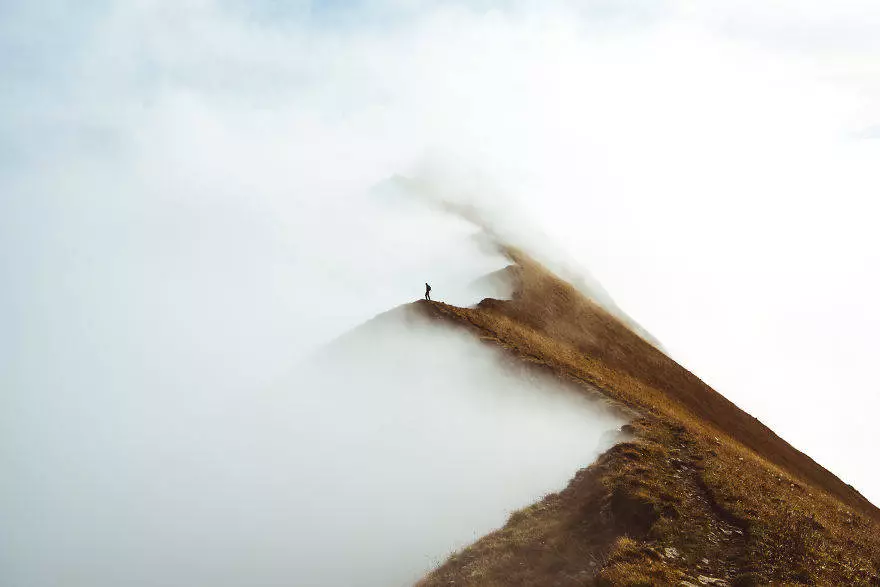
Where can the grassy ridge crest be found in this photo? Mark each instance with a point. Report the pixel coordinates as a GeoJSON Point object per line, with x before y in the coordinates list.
{"type": "Point", "coordinates": [704, 492]}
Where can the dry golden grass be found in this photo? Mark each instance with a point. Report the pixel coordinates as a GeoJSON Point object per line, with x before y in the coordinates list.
{"type": "Point", "coordinates": [705, 490]}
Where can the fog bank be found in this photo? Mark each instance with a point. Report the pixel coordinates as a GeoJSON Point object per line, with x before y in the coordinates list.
{"type": "Point", "coordinates": [366, 465]}
{"type": "Point", "coordinates": [195, 195]}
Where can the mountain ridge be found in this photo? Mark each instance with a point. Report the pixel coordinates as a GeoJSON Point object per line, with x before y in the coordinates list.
{"type": "Point", "coordinates": [702, 477]}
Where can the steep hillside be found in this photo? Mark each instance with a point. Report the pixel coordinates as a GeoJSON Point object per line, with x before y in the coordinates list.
{"type": "Point", "coordinates": [704, 494]}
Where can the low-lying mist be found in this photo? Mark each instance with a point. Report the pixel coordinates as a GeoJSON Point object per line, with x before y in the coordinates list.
{"type": "Point", "coordinates": [367, 464]}
{"type": "Point", "coordinates": [194, 196]}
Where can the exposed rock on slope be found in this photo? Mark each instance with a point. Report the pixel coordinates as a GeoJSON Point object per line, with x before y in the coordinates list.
{"type": "Point", "coordinates": [705, 494]}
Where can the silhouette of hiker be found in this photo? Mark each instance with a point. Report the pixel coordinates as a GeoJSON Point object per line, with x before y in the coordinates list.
{"type": "Point", "coordinates": [427, 292]}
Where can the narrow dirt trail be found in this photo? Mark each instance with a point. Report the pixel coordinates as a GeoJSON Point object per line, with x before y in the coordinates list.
{"type": "Point", "coordinates": [724, 537]}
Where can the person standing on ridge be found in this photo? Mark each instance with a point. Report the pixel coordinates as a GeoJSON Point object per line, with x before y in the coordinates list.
{"type": "Point", "coordinates": [427, 291]}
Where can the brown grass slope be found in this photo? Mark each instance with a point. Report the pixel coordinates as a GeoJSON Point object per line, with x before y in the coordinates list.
{"type": "Point", "coordinates": [705, 494]}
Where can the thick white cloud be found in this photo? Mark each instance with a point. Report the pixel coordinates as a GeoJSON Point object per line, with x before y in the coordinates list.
{"type": "Point", "coordinates": [192, 194]}
{"type": "Point", "coordinates": [365, 465]}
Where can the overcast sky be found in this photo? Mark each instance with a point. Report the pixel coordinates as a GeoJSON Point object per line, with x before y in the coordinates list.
{"type": "Point", "coordinates": [193, 194]}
